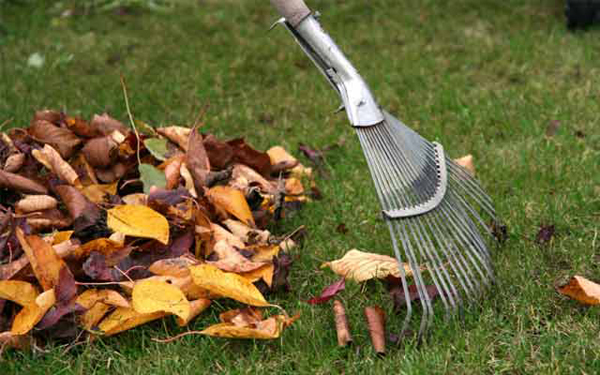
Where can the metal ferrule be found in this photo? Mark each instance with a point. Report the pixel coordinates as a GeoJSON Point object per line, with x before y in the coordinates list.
{"type": "Point", "coordinates": [360, 105]}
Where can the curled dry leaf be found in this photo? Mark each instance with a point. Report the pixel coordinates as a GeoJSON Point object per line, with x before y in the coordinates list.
{"type": "Point", "coordinates": [172, 171]}
{"type": "Point", "coordinates": [14, 162]}
{"type": "Point", "coordinates": [135, 199]}
{"type": "Point", "coordinates": [176, 134]}
{"type": "Point", "coordinates": [100, 152]}
{"type": "Point", "coordinates": [247, 234]}
{"type": "Point", "coordinates": [151, 295]}
{"type": "Point", "coordinates": [138, 221]}
{"type": "Point", "coordinates": [231, 201]}
{"type": "Point", "coordinates": [19, 292]}
{"type": "Point", "coordinates": [241, 171]}
{"type": "Point", "coordinates": [35, 203]}
{"type": "Point", "coordinates": [246, 324]}
{"type": "Point", "coordinates": [227, 284]}
{"type": "Point", "coordinates": [196, 308]}
{"type": "Point", "coordinates": [376, 322]}
{"type": "Point", "coordinates": [97, 193]}
{"type": "Point", "coordinates": [189, 180]}
{"type": "Point", "coordinates": [21, 184]}
{"type": "Point", "coordinates": [196, 159]}
{"type": "Point", "coordinates": [220, 154]}
{"type": "Point", "coordinates": [293, 186]}
{"type": "Point", "coordinates": [265, 273]}
{"type": "Point", "coordinates": [106, 125]}
{"type": "Point", "coordinates": [221, 234]}
{"type": "Point", "coordinates": [244, 154]}
{"type": "Point", "coordinates": [45, 262]}
{"type": "Point", "coordinates": [342, 328]}
{"type": "Point", "coordinates": [279, 155]}
{"type": "Point", "coordinates": [581, 289]}
{"type": "Point", "coordinates": [467, 163]}
{"type": "Point", "coordinates": [361, 266]}
{"type": "Point", "coordinates": [231, 260]}
{"type": "Point", "coordinates": [61, 139]}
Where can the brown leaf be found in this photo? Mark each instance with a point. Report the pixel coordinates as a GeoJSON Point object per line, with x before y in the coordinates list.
{"type": "Point", "coordinates": [61, 139]}
{"type": "Point", "coordinates": [176, 134]}
{"type": "Point", "coordinates": [53, 218]}
{"type": "Point", "coordinates": [49, 115]}
{"type": "Point", "coordinates": [178, 267]}
{"type": "Point", "coordinates": [14, 162]}
{"type": "Point", "coordinates": [220, 154]}
{"type": "Point", "coordinates": [244, 154]}
{"type": "Point", "coordinates": [376, 323]}
{"type": "Point", "coordinates": [342, 328]}
{"type": "Point", "coordinates": [545, 234]}
{"type": "Point", "coordinates": [35, 203]}
{"type": "Point", "coordinates": [231, 260]}
{"type": "Point", "coordinates": [83, 212]}
{"type": "Point", "coordinates": [21, 184]}
{"type": "Point", "coordinates": [196, 308]}
{"type": "Point", "coordinates": [241, 171]}
{"type": "Point", "coordinates": [400, 297]}
{"type": "Point", "coordinates": [581, 289]}
{"type": "Point", "coordinates": [100, 152]}
{"type": "Point", "coordinates": [80, 127]}
{"type": "Point", "coordinates": [244, 324]}
{"type": "Point", "coordinates": [106, 125]}
{"type": "Point", "coordinates": [196, 159]}
{"type": "Point", "coordinates": [247, 234]}
{"type": "Point", "coordinates": [52, 160]}
{"type": "Point", "coordinates": [172, 171]}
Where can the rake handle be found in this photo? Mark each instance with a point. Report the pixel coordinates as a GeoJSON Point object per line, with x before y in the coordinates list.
{"type": "Point", "coordinates": [294, 11]}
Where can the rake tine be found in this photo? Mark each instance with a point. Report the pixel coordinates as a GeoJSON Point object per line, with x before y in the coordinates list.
{"type": "Point", "coordinates": [403, 277]}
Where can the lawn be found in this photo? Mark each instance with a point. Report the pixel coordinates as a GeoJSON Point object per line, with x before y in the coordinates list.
{"type": "Point", "coordinates": [482, 77]}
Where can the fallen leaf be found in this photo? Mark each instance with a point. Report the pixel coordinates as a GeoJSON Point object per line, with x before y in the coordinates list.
{"type": "Point", "coordinates": [342, 328]}
{"type": "Point", "coordinates": [329, 292]}
{"type": "Point", "coordinates": [227, 284]}
{"type": "Point", "coordinates": [97, 193]}
{"type": "Point", "coordinates": [231, 201]}
{"type": "Point", "coordinates": [279, 155]}
{"type": "Point", "coordinates": [582, 290]}
{"type": "Point", "coordinates": [244, 154]}
{"type": "Point", "coordinates": [545, 234]}
{"type": "Point", "coordinates": [467, 163]}
{"type": "Point", "coordinates": [241, 171]}
{"type": "Point", "coordinates": [267, 329]}
{"type": "Point", "coordinates": [231, 260]}
{"type": "Point", "coordinates": [150, 296]}
{"type": "Point", "coordinates": [109, 297]}
{"type": "Point", "coordinates": [124, 318]}
{"type": "Point", "coordinates": [52, 160]}
{"type": "Point", "coordinates": [247, 234]}
{"type": "Point", "coordinates": [45, 262]}
{"type": "Point", "coordinates": [107, 125]}
{"type": "Point", "coordinates": [157, 147]}
{"type": "Point", "coordinates": [196, 160]}
{"type": "Point", "coordinates": [17, 291]}
{"type": "Point", "coordinates": [101, 152]}
{"type": "Point", "coordinates": [221, 234]}
{"type": "Point", "coordinates": [264, 273]}
{"type": "Point", "coordinates": [178, 267]}
{"type": "Point", "coordinates": [220, 154]}
{"type": "Point", "coordinates": [196, 308]}
{"type": "Point", "coordinates": [176, 134]}
{"type": "Point", "coordinates": [172, 171]}
{"type": "Point", "coordinates": [151, 176]}
{"type": "Point", "coordinates": [138, 221]}
{"type": "Point", "coordinates": [399, 296]}
{"type": "Point", "coordinates": [21, 184]}
{"type": "Point", "coordinates": [32, 313]}
{"type": "Point", "coordinates": [33, 203]}
{"type": "Point", "coordinates": [376, 322]}
{"type": "Point", "coordinates": [14, 162]}
{"type": "Point", "coordinates": [61, 139]}
{"type": "Point", "coordinates": [361, 266]}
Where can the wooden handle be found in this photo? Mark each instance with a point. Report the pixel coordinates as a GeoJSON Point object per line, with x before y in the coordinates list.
{"type": "Point", "coordinates": [294, 11]}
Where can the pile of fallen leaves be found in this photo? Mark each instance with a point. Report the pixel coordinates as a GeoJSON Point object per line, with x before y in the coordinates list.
{"type": "Point", "coordinates": [105, 227]}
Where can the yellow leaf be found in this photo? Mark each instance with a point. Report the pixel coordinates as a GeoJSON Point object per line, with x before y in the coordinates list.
{"type": "Point", "coordinates": [196, 308]}
{"type": "Point", "coordinates": [582, 290]}
{"type": "Point", "coordinates": [186, 284]}
{"type": "Point", "coordinates": [247, 327]}
{"type": "Point", "coordinates": [62, 236]}
{"type": "Point", "coordinates": [32, 313]}
{"type": "Point", "coordinates": [360, 266]}
{"type": "Point", "coordinates": [104, 246]}
{"type": "Point", "coordinates": [18, 291]}
{"type": "Point", "coordinates": [265, 272]}
{"type": "Point", "coordinates": [93, 315]}
{"type": "Point", "coordinates": [124, 318]}
{"type": "Point", "coordinates": [227, 284]}
{"type": "Point", "coordinates": [293, 186]}
{"type": "Point", "coordinates": [97, 192]}
{"type": "Point", "coordinates": [264, 253]}
{"type": "Point", "coordinates": [232, 201]}
{"type": "Point", "coordinates": [150, 296]}
{"type": "Point", "coordinates": [467, 163]}
{"type": "Point", "coordinates": [138, 221]}
{"type": "Point", "coordinates": [110, 297]}
{"type": "Point", "coordinates": [46, 264]}
{"type": "Point", "coordinates": [279, 155]}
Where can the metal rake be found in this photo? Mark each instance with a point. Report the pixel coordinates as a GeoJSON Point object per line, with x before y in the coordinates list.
{"type": "Point", "coordinates": [431, 205]}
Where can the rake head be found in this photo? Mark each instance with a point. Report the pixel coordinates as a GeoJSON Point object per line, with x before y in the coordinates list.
{"type": "Point", "coordinates": [431, 206]}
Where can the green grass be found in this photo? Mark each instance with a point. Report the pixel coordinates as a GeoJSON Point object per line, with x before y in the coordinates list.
{"type": "Point", "coordinates": [482, 77]}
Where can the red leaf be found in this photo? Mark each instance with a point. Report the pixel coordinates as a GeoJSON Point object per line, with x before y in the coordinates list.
{"type": "Point", "coordinates": [329, 292]}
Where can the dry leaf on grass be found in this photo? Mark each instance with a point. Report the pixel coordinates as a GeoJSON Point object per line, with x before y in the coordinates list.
{"type": "Point", "coordinates": [247, 324]}
{"type": "Point", "coordinates": [124, 318]}
{"type": "Point", "coordinates": [361, 266]}
{"type": "Point", "coordinates": [150, 296]}
{"type": "Point", "coordinates": [467, 163]}
{"type": "Point", "coordinates": [581, 289]}
{"type": "Point", "coordinates": [227, 284]}
{"type": "Point", "coordinates": [138, 221]}
{"type": "Point", "coordinates": [232, 201]}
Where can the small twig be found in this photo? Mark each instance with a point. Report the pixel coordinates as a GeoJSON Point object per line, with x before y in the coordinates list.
{"type": "Point", "coordinates": [124, 273]}
{"type": "Point", "coordinates": [137, 135]}
{"type": "Point", "coordinates": [6, 122]}
{"type": "Point", "coordinates": [177, 337]}
{"type": "Point", "coordinates": [99, 283]}
{"type": "Point", "coordinates": [203, 111]}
